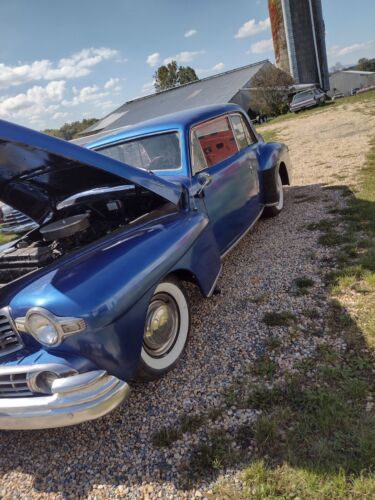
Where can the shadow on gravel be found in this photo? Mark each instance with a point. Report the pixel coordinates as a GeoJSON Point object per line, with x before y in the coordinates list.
{"type": "Point", "coordinates": [319, 420]}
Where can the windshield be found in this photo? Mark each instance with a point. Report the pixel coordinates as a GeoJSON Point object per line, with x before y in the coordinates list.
{"type": "Point", "coordinates": [302, 96]}
{"type": "Point", "coordinates": [155, 152]}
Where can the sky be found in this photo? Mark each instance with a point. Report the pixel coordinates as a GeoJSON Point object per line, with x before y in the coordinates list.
{"type": "Point", "coordinates": [62, 61]}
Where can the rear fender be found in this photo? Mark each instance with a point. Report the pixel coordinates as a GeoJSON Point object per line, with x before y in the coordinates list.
{"type": "Point", "coordinates": [273, 159]}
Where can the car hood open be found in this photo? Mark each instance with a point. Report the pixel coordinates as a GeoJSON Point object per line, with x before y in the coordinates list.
{"type": "Point", "coordinates": [38, 171]}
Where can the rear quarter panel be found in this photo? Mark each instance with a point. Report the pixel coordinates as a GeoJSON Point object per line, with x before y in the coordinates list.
{"type": "Point", "coordinates": [270, 156]}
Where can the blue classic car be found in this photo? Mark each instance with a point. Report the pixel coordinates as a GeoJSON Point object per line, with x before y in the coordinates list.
{"type": "Point", "coordinates": [93, 298]}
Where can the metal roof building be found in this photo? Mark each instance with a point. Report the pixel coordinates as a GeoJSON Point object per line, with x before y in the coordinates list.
{"type": "Point", "coordinates": [230, 86]}
{"type": "Point", "coordinates": [345, 81]}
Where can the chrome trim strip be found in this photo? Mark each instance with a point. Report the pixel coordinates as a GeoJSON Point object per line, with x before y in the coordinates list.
{"type": "Point", "coordinates": [242, 235]}
{"type": "Point", "coordinates": [75, 399]}
{"type": "Point", "coordinates": [5, 311]}
{"type": "Point", "coordinates": [71, 200]}
{"type": "Point", "coordinates": [16, 369]}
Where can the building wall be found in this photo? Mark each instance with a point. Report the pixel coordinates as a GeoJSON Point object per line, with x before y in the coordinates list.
{"type": "Point", "coordinates": [344, 82]}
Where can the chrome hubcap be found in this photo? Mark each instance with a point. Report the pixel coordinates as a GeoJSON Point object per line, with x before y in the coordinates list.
{"type": "Point", "coordinates": [162, 324]}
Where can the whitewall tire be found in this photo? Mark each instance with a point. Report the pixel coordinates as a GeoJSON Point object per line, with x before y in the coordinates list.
{"type": "Point", "coordinates": [166, 329]}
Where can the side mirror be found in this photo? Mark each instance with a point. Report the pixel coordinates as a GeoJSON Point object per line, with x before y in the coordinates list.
{"type": "Point", "coordinates": [204, 179]}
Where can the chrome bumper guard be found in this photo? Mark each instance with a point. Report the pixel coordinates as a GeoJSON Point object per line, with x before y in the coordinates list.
{"type": "Point", "coordinates": [74, 399]}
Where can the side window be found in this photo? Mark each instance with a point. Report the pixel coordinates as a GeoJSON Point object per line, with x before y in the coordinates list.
{"type": "Point", "coordinates": [242, 131]}
{"type": "Point", "coordinates": [198, 159]}
{"type": "Point", "coordinates": [216, 140]}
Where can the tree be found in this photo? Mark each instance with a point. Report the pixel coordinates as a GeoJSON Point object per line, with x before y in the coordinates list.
{"type": "Point", "coordinates": [171, 75]}
{"type": "Point", "coordinates": [71, 130]}
{"type": "Point", "coordinates": [365, 64]}
{"type": "Point", "coordinates": [270, 89]}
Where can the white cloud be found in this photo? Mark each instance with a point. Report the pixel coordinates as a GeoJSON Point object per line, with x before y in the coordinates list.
{"type": "Point", "coordinates": [218, 67]}
{"type": "Point", "coordinates": [184, 57]}
{"type": "Point", "coordinates": [86, 94]}
{"type": "Point", "coordinates": [113, 84]}
{"type": "Point", "coordinates": [262, 46]}
{"type": "Point", "coordinates": [148, 87]}
{"type": "Point", "coordinates": [251, 28]}
{"type": "Point", "coordinates": [60, 115]}
{"type": "Point", "coordinates": [75, 66]}
{"type": "Point", "coordinates": [153, 59]}
{"type": "Point", "coordinates": [33, 103]}
{"type": "Point", "coordinates": [215, 69]}
{"type": "Point", "coordinates": [190, 33]}
{"type": "Point", "coordinates": [338, 50]}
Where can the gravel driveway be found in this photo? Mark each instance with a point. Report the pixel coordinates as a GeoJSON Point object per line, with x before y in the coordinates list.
{"type": "Point", "coordinates": [115, 457]}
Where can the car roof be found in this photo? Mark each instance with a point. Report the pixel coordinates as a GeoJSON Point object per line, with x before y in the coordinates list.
{"type": "Point", "coordinates": [173, 121]}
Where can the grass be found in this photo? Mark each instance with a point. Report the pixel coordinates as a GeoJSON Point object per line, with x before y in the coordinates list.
{"type": "Point", "coordinates": [5, 238]}
{"type": "Point", "coordinates": [165, 437]}
{"type": "Point", "coordinates": [303, 284]}
{"type": "Point", "coordinates": [213, 455]}
{"type": "Point", "coordinates": [265, 367]}
{"type": "Point", "coordinates": [283, 318]}
{"type": "Point", "coordinates": [358, 99]}
{"type": "Point", "coordinates": [270, 135]}
{"type": "Point", "coordinates": [315, 437]}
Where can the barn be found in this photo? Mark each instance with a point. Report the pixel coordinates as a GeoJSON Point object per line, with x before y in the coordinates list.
{"type": "Point", "coordinates": [346, 81]}
{"type": "Point", "coordinates": [231, 86]}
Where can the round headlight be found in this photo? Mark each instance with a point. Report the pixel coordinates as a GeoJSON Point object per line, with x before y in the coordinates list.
{"type": "Point", "coordinates": [43, 329]}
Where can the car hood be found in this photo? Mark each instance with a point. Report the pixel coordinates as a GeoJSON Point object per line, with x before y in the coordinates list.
{"type": "Point", "coordinates": [38, 171]}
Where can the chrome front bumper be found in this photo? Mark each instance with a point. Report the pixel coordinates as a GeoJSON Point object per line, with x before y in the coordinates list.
{"type": "Point", "coordinates": [74, 399]}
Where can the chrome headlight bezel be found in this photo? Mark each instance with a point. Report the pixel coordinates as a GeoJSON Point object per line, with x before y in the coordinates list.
{"type": "Point", "coordinates": [64, 326]}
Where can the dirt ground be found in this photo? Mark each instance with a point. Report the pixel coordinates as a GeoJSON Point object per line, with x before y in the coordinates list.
{"type": "Point", "coordinates": [329, 146]}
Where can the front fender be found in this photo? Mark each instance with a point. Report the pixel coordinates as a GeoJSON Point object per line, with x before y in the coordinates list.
{"type": "Point", "coordinates": [110, 288]}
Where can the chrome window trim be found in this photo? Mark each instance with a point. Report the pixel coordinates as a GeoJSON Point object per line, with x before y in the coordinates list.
{"type": "Point", "coordinates": [215, 118]}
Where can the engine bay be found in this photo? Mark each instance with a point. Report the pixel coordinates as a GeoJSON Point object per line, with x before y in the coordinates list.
{"type": "Point", "coordinates": [80, 221]}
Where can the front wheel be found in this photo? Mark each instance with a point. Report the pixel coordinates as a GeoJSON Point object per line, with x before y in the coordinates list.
{"type": "Point", "coordinates": [166, 330]}
{"type": "Point", "coordinates": [276, 209]}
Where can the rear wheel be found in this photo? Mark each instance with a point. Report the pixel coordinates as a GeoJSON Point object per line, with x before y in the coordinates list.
{"type": "Point", "coordinates": [166, 330]}
{"type": "Point", "coordinates": [276, 209]}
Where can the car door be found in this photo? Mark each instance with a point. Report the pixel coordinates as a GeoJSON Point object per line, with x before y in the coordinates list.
{"type": "Point", "coordinates": [225, 164]}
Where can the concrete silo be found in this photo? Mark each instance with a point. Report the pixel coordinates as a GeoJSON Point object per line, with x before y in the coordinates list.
{"type": "Point", "coordinates": [298, 34]}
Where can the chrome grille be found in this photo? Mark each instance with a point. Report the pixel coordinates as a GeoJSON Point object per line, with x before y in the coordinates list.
{"type": "Point", "coordinates": [14, 386]}
{"type": "Point", "coordinates": [9, 338]}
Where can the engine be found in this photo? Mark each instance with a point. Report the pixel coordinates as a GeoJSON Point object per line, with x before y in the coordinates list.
{"type": "Point", "coordinates": [71, 229]}
{"type": "Point", "coordinates": [56, 239]}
